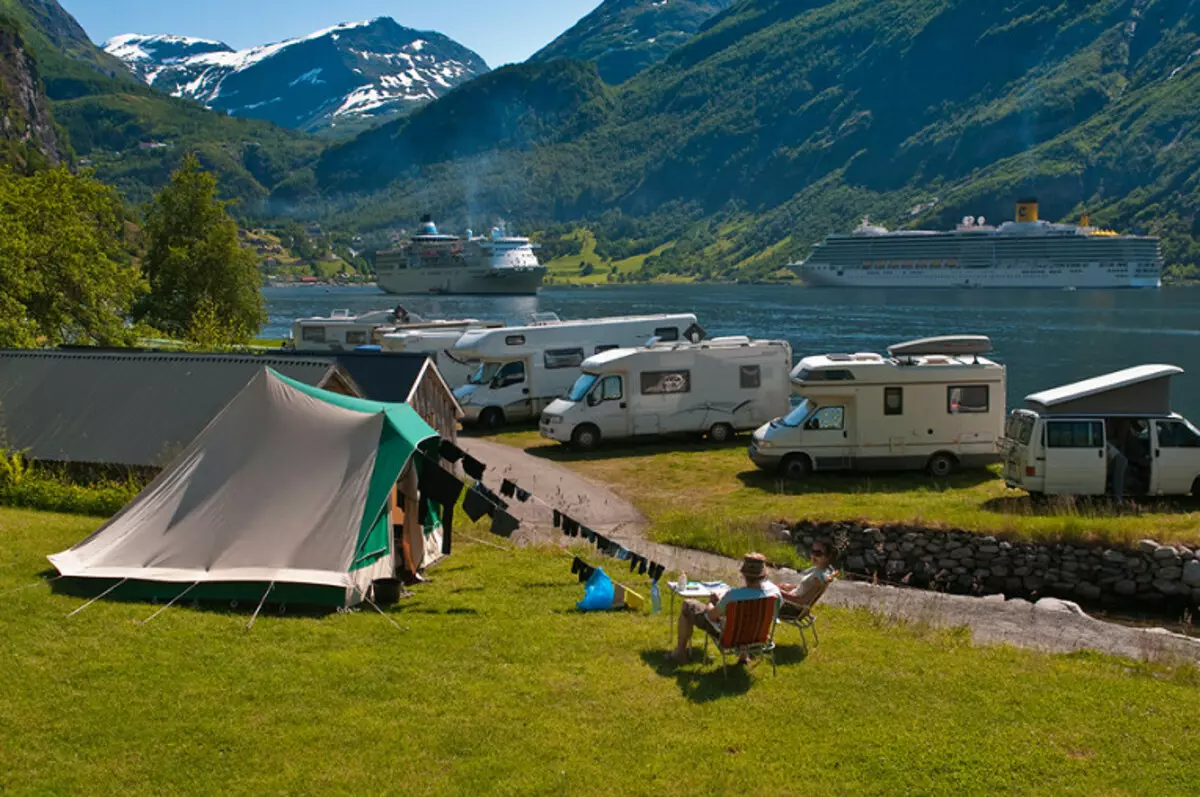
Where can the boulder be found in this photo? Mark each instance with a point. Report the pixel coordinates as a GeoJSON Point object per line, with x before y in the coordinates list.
{"type": "Point", "coordinates": [1165, 552]}
{"type": "Point", "coordinates": [1125, 588]}
{"type": "Point", "coordinates": [1114, 557]}
{"type": "Point", "coordinates": [1147, 546]}
{"type": "Point", "coordinates": [1191, 573]}
{"type": "Point", "coordinates": [1167, 587]}
{"type": "Point", "coordinates": [1171, 573]}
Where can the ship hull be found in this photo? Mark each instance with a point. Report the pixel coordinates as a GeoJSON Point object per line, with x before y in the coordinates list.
{"type": "Point", "coordinates": [464, 281]}
{"type": "Point", "coordinates": [1049, 276]}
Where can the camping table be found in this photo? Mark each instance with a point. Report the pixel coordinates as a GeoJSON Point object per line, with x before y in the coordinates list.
{"type": "Point", "coordinates": [693, 589]}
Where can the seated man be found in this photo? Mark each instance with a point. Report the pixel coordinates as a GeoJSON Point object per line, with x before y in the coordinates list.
{"type": "Point", "coordinates": [798, 598]}
{"type": "Point", "coordinates": [710, 617]}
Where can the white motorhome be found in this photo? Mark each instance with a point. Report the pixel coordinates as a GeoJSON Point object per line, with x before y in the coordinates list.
{"type": "Point", "coordinates": [934, 404]}
{"type": "Point", "coordinates": [718, 387]}
{"type": "Point", "coordinates": [340, 331]}
{"type": "Point", "coordinates": [1058, 443]}
{"type": "Point", "coordinates": [523, 369]}
{"type": "Point", "coordinates": [438, 345]}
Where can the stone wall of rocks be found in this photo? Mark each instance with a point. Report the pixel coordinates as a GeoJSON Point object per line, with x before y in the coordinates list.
{"type": "Point", "coordinates": [967, 563]}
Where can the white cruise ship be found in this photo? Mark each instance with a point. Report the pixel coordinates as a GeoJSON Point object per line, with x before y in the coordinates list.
{"type": "Point", "coordinates": [1026, 253]}
{"type": "Point", "coordinates": [447, 264]}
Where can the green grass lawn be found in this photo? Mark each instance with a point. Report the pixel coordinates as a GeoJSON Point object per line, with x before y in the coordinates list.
{"type": "Point", "coordinates": [498, 686]}
{"type": "Point", "coordinates": [714, 498]}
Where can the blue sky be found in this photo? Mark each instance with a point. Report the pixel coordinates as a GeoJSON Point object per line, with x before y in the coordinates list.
{"type": "Point", "coordinates": [502, 32]}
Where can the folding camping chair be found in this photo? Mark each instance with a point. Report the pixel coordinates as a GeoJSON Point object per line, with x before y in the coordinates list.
{"type": "Point", "coordinates": [800, 615]}
{"type": "Point", "coordinates": [749, 629]}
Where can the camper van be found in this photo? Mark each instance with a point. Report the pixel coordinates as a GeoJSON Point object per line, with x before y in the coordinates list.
{"type": "Point", "coordinates": [1063, 440]}
{"type": "Point", "coordinates": [934, 404]}
{"type": "Point", "coordinates": [718, 388]}
{"type": "Point", "coordinates": [340, 331]}
{"type": "Point", "coordinates": [523, 369]}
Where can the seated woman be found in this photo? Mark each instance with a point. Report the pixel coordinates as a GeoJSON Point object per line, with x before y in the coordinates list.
{"type": "Point", "coordinates": [799, 597]}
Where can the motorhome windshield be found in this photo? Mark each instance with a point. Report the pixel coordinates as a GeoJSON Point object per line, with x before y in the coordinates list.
{"type": "Point", "coordinates": [485, 373]}
{"type": "Point", "coordinates": [798, 415]}
{"type": "Point", "coordinates": [581, 387]}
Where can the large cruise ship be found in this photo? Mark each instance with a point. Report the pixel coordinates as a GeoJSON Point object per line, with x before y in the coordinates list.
{"type": "Point", "coordinates": [435, 263]}
{"type": "Point", "coordinates": [1026, 253]}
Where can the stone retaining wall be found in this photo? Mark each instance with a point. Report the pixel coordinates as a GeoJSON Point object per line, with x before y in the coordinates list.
{"type": "Point", "coordinates": [966, 563]}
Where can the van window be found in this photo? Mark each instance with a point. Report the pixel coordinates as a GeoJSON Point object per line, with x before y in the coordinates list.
{"type": "Point", "coordinates": [610, 389]}
{"type": "Point", "coordinates": [893, 401]}
{"type": "Point", "coordinates": [1019, 428]}
{"type": "Point", "coordinates": [750, 376]}
{"type": "Point", "coordinates": [667, 334]}
{"type": "Point", "coordinates": [1177, 434]}
{"type": "Point", "coordinates": [313, 334]}
{"type": "Point", "coordinates": [1074, 434]}
{"type": "Point", "coordinates": [826, 375]}
{"type": "Point", "coordinates": [606, 347]}
{"type": "Point", "coordinates": [356, 338]}
{"type": "Point", "coordinates": [514, 340]}
{"type": "Point", "coordinates": [563, 358]}
{"type": "Point", "coordinates": [962, 399]}
{"type": "Point", "coordinates": [827, 419]}
{"type": "Point", "coordinates": [510, 374]}
{"type": "Point", "coordinates": [659, 382]}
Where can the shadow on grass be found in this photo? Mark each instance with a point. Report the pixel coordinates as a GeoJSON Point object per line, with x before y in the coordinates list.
{"type": "Point", "coordinates": [649, 447]}
{"type": "Point", "coordinates": [1089, 507]}
{"type": "Point", "coordinates": [703, 681]}
{"type": "Point", "coordinates": [853, 482]}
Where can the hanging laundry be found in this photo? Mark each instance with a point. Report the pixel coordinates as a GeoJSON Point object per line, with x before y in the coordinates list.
{"type": "Point", "coordinates": [558, 520]}
{"type": "Point", "coordinates": [473, 467]}
{"type": "Point", "coordinates": [634, 560]}
{"type": "Point", "coordinates": [582, 569]}
{"type": "Point", "coordinates": [478, 503]}
{"type": "Point", "coordinates": [656, 571]}
{"type": "Point", "coordinates": [623, 553]}
{"type": "Point", "coordinates": [523, 495]}
{"type": "Point", "coordinates": [508, 489]}
{"type": "Point", "coordinates": [503, 524]}
{"type": "Point", "coordinates": [450, 452]}
{"type": "Point", "coordinates": [570, 526]}
{"type": "Point", "coordinates": [642, 566]}
{"type": "Point", "coordinates": [588, 534]}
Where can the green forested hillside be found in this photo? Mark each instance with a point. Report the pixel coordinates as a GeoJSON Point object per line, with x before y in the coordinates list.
{"type": "Point", "coordinates": [784, 120]}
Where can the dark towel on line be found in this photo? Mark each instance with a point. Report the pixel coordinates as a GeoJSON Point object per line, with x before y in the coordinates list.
{"type": "Point", "coordinates": [642, 567]}
{"type": "Point", "coordinates": [503, 524]}
{"type": "Point", "coordinates": [508, 489]}
{"type": "Point", "coordinates": [475, 505]}
{"type": "Point", "coordinates": [656, 571]}
{"type": "Point", "coordinates": [473, 467]}
{"type": "Point", "coordinates": [570, 526]}
{"type": "Point", "coordinates": [558, 520]}
{"type": "Point", "coordinates": [523, 495]}
{"type": "Point", "coordinates": [451, 453]}
{"type": "Point", "coordinates": [585, 572]}
{"type": "Point", "coordinates": [633, 562]}
{"type": "Point", "coordinates": [575, 565]}
{"type": "Point", "coordinates": [588, 534]}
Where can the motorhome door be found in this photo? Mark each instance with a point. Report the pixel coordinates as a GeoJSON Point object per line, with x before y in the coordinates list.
{"type": "Point", "coordinates": [1075, 459]}
{"type": "Point", "coordinates": [827, 437]}
{"type": "Point", "coordinates": [608, 407]}
{"type": "Point", "coordinates": [1175, 457]}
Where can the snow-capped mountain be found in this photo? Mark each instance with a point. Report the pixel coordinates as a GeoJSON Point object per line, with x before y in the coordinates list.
{"type": "Point", "coordinates": [338, 75]}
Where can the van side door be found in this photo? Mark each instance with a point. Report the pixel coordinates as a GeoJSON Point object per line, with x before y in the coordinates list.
{"type": "Point", "coordinates": [1075, 459]}
{"type": "Point", "coordinates": [1174, 457]}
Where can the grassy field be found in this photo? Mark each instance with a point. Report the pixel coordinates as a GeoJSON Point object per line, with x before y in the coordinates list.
{"type": "Point", "coordinates": [714, 498]}
{"type": "Point", "coordinates": [497, 686]}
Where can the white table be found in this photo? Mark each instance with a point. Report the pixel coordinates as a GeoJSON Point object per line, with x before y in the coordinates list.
{"type": "Point", "coordinates": [694, 589]}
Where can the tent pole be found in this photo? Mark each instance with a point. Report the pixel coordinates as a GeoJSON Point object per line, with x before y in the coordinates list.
{"type": "Point", "coordinates": [254, 616]}
{"type": "Point", "coordinates": [31, 586]}
{"type": "Point", "coordinates": [169, 605]}
{"type": "Point", "coordinates": [381, 612]}
{"type": "Point", "coordinates": [98, 597]}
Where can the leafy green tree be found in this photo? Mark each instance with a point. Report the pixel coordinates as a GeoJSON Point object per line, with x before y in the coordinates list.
{"type": "Point", "coordinates": [192, 256]}
{"type": "Point", "coordinates": [66, 275]}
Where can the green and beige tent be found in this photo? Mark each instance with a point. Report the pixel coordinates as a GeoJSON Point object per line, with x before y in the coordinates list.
{"type": "Point", "coordinates": [287, 492]}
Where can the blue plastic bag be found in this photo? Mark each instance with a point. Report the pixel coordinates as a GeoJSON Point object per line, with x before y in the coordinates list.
{"type": "Point", "coordinates": [598, 593]}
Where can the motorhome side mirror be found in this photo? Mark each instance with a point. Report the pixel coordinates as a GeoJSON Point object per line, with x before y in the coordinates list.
{"type": "Point", "coordinates": [592, 400]}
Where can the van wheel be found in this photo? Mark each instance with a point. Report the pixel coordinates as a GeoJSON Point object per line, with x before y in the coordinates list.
{"type": "Point", "coordinates": [585, 438]}
{"type": "Point", "coordinates": [491, 418]}
{"type": "Point", "coordinates": [1196, 487]}
{"type": "Point", "coordinates": [796, 467]}
{"type": "Point", "coordinates": [942, 465]}
{"type": "Point", "coordinates": [720, 433]}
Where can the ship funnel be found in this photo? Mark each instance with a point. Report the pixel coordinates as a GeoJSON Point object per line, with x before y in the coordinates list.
{"type": "Point", "coordinates": [1085, 220]}
{"type": "Point", "coordinates": [1027, 209]}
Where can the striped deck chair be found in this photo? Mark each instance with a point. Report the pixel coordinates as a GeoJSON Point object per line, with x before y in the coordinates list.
{"type": "Point", "coordinates": [800, 615]}
{"type": "Point", "coordinates": [749, 629]}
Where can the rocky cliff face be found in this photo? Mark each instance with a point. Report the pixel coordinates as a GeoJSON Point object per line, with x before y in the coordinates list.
{"type": "Point", "coordinates": [29, 138]}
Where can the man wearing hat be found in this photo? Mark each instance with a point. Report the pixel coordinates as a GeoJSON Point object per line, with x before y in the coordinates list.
{"type": "Point", "coordinates": [709, 617]}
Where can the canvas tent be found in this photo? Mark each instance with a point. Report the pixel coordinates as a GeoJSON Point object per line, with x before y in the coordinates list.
{"type": "Point", "coordinates": [289, 489]}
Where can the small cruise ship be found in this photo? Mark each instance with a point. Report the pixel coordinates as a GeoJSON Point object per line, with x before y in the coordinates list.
{"type": "Point", "coordinates": [432, 262]}
{"type": "Point", "coordinates": [1025, 253]}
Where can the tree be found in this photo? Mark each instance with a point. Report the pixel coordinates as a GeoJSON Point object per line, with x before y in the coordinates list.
{"type": "Point", "coordinates": [192, 255]}
{"type": "Point", "coordinates": [66, 275]}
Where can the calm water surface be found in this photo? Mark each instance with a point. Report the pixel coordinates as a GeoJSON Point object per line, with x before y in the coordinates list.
{"type": "Point", "coordinates": [1046, 338]}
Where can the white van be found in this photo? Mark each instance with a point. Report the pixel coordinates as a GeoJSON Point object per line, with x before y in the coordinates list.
{"type": "Point", "coordinates": [1058, 444]}
{"type": "Point", "coordinates": [718, 387]}
{"type": "Point", "coordinates": [934, 403]}
{"type": "Point", "coordinates": [523, 369]}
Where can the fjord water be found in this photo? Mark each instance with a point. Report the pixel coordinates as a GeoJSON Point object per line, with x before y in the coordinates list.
{"type": "Point", "coordinates": [1046, 338]}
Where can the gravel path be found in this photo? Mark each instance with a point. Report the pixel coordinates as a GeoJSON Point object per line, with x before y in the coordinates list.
{"type": "Point", "coordinates": [1048, 625]}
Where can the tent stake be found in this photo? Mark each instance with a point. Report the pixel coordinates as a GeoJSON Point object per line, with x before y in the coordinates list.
{"type": "Point", "coordinates": [31, 586]}
{"type": "Point", "coordinates": [254, 616]}
{"type": "Point", "coordinates": [98, 597]}
{"type": "Point", "coordinates": [169, 605]}
{"type": "Point", "coordinates": [381, 612]}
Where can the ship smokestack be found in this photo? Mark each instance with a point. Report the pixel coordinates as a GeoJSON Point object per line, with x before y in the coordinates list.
{"type": "Point", "coordinates": [1027, 209]}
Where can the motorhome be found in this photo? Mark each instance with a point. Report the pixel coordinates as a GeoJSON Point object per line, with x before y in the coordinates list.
{"type": "Point", "coordinates": [523, 369]}
{"type": "Point", "coordinates": [717, 388]}
{"type": "Point", "coordinates": [438, 345]}
{"type": "Point", "coordinates": [934, 404]}
{"type": "Point", "coordinates": [1064, 440]}
{"type": "Point", "coordinates": [341, 331]}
